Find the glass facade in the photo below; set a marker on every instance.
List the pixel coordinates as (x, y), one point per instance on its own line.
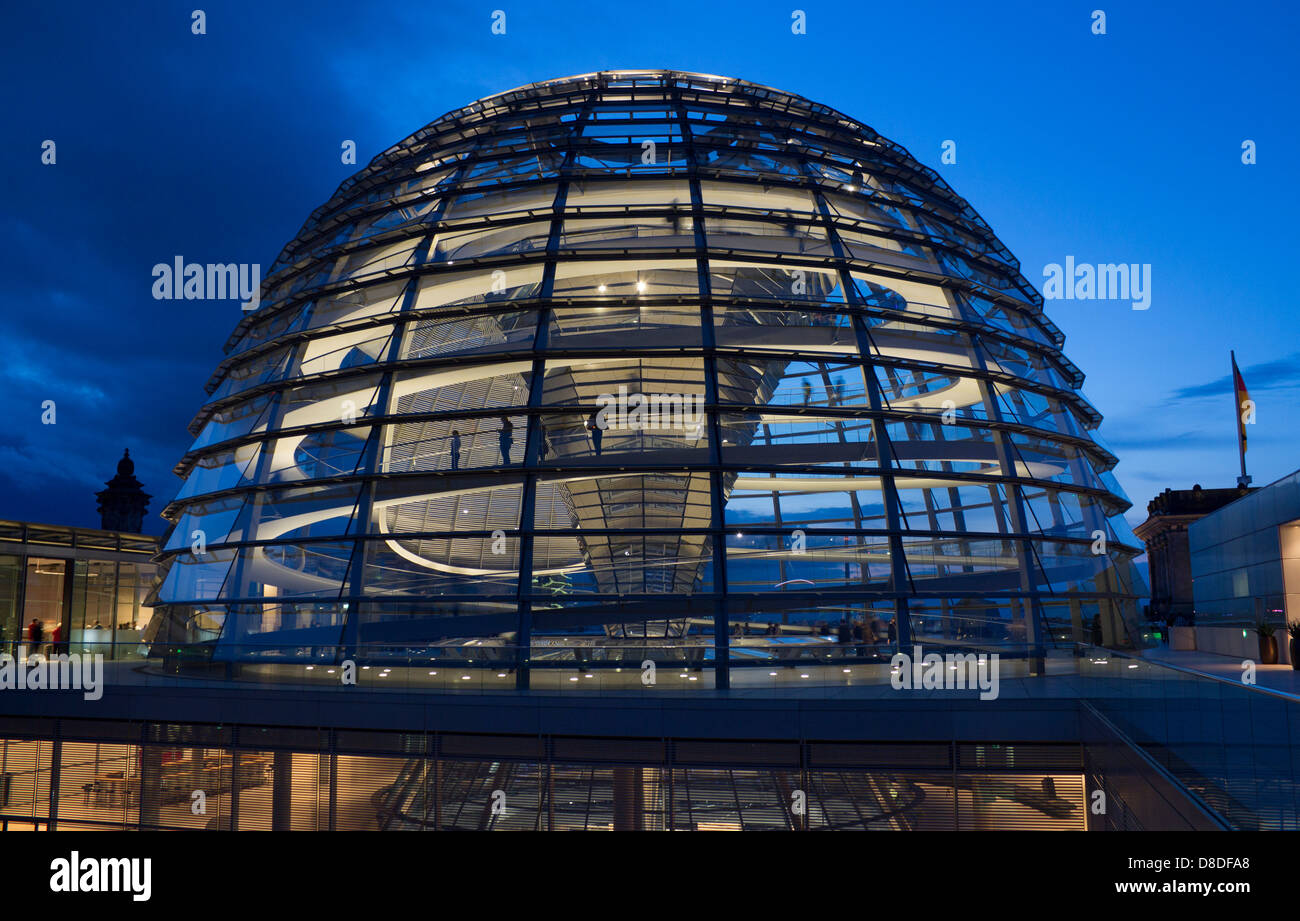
(212, 778)
(75, 590)
(645, 364)
(1246, 558)
(1226, 752)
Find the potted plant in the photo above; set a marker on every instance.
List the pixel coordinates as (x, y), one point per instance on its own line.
(1267, 643)
(1293, 628)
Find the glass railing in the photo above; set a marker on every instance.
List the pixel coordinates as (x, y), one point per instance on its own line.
(807, 665)
(1235, 745)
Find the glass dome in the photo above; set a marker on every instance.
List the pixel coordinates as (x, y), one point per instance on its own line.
(644, 360)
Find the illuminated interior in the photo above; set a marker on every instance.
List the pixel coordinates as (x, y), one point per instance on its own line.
(398, 452)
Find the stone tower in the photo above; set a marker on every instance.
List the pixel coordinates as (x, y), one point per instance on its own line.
(123, 503)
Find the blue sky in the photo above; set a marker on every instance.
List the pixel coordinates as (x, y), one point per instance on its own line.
(1123, 147)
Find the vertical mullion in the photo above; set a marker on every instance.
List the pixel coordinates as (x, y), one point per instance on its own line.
(717, 503)
(1006, 454)
(229, 639)
(536, 392)
(900, 581)
(371, 459)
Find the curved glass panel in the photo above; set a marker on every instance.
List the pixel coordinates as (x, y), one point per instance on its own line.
(614, 358)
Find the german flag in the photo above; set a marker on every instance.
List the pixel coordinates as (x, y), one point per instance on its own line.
(1244, 405)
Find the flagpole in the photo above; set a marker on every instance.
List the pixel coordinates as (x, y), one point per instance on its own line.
(1243, 481)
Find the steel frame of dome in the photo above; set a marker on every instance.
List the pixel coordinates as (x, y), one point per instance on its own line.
(890, 433)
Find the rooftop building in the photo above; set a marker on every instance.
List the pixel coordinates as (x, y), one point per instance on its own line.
(123, 503)
(1168, 556)
(1246, 557)
(599, 457)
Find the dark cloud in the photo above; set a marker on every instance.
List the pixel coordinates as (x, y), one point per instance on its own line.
(216, 148)
(1142, 438)
(1279, 374)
